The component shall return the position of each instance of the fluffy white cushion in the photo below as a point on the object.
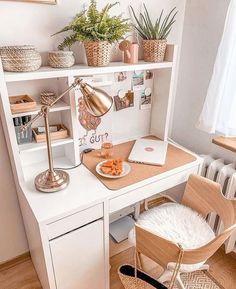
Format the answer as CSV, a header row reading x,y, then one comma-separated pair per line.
x,y
179,224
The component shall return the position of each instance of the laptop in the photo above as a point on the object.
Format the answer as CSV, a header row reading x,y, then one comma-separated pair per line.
x,y
148,151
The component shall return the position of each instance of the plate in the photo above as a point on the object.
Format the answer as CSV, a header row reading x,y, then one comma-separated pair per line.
x,y
125,170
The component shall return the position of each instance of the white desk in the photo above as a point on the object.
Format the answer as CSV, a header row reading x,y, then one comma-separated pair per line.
x,y
67,227
68,231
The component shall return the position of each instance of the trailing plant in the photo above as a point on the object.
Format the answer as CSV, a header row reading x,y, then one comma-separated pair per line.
x,y
158,30
95,25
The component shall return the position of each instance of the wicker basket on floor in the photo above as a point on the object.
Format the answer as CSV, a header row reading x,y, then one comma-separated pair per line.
x,y
98,53
20,58
142,281
154,50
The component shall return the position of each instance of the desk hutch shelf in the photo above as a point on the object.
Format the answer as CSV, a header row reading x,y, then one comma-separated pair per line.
x,y
61,227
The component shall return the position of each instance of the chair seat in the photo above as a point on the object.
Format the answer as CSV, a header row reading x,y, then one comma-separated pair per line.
x,y
178,224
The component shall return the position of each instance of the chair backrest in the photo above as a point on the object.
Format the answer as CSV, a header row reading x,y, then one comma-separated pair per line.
x,y
163,251
204,196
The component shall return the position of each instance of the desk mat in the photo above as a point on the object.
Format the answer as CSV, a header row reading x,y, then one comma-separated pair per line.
x,y
175,158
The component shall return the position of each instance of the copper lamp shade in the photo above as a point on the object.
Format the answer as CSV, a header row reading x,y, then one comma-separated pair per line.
x,y
97,101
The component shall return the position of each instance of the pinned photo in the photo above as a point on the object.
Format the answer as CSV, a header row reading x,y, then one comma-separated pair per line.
x,y
124,99
148,75
120,76
138,80
146,99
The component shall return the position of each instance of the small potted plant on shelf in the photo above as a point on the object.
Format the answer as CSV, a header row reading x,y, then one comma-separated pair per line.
x,y
97,30
154,34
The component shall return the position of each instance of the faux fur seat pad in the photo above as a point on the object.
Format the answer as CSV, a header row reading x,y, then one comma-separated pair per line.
x,y
179,224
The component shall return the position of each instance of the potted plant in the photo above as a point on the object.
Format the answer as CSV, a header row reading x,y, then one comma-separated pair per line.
x,y
154,34
97,30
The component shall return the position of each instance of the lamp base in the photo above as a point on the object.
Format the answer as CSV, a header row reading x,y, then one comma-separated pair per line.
x,y
50,182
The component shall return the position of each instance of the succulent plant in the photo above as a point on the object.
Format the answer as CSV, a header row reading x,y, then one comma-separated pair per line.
x,y
158,30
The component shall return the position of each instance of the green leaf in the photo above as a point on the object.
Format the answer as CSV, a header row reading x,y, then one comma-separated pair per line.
x,y
149,22
166,21
140,26
159,29
95,25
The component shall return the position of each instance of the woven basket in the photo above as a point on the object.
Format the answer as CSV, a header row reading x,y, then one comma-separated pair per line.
x,y
61,59
154,50
143,281
98,53
20,58
47,97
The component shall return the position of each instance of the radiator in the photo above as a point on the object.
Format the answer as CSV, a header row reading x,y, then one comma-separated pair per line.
x,y
224,174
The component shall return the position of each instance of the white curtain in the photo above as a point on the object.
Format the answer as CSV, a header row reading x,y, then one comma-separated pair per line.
x,y
219,110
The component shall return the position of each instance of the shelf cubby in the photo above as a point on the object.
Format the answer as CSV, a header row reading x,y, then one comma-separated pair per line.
x,y
59,106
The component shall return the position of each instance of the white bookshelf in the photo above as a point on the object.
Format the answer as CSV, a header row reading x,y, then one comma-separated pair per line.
x,y
48,72
65,111
34,146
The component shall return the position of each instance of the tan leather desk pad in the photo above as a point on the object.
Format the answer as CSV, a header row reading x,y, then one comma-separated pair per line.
x,y
175,158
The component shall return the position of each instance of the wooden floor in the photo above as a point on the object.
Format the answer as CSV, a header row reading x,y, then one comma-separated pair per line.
x,y
23,275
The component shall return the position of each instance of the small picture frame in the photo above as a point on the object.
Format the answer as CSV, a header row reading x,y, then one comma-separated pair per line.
x,y
124,99
120,76
138,80
149,75
146,99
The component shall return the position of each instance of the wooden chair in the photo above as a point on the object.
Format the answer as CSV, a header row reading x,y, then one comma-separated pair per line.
x,y
203,196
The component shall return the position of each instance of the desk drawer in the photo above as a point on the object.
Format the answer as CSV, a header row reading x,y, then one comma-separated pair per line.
x,y
74,221
151,189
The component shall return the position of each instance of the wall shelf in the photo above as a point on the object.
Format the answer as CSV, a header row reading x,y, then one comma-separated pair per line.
x,y
59,106
30,147
228,143
48,72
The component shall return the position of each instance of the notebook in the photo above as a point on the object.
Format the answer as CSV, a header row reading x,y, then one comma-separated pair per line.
x,y
147,151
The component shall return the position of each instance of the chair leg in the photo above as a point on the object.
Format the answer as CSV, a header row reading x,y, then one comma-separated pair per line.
x,y
165,276
179,282
139,260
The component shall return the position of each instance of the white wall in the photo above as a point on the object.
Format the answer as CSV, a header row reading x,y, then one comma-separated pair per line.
x,y
203,27
28,23
12,235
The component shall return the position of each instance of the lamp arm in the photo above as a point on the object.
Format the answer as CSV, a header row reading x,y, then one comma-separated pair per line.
x,y
25,126
73,85
45,108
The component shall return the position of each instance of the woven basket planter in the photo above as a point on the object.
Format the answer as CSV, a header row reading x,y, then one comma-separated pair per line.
x,y
20,58
61,59
98,53
154,50
47,97
143,281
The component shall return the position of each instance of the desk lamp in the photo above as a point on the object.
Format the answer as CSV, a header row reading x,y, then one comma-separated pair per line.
x,y
97,102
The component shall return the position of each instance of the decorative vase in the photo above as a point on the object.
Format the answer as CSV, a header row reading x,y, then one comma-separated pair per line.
x,y
154,50
61,59
22,58
98,53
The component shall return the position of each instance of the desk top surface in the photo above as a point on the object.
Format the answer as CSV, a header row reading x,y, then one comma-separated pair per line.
x,y
175,157
84,190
